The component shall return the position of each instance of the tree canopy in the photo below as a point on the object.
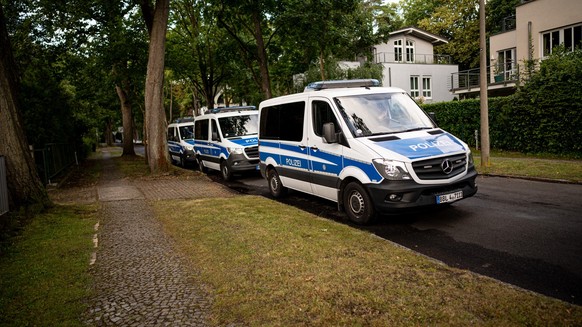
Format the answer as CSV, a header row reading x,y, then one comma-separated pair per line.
x,y
82,65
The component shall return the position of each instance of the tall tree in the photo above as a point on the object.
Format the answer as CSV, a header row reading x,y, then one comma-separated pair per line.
x,y
121,47
329,29
156,20
24,185
198,50
457,20
413,11
249,23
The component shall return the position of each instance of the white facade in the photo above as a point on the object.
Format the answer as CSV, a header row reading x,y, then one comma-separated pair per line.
x,y
410,63
540,25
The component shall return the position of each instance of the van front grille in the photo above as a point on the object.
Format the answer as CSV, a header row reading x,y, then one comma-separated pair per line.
x,y
252,151
437,168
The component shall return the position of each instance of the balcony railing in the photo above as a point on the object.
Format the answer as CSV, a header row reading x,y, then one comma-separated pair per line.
x,y
391,57
467,80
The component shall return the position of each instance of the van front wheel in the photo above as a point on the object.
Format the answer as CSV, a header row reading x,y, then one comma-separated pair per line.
x,y
275,186
225,170
201,166
357,204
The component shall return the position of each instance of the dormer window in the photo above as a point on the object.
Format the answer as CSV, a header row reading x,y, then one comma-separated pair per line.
x,y
398,50
409,51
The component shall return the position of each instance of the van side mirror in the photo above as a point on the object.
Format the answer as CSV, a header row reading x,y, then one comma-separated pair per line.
x,y
215,136
329,134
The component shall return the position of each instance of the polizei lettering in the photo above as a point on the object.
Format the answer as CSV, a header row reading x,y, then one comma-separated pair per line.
x,y
428,145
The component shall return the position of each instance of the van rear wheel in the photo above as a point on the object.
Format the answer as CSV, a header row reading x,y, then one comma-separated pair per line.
x,y
275,186
357,204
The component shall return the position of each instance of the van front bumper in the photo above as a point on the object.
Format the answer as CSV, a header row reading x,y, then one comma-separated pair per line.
x,y
239,162
408,194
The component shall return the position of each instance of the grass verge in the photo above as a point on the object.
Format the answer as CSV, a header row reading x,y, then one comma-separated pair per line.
x,y
514,164
44,273
272,264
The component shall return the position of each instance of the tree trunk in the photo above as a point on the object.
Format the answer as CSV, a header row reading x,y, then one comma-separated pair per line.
x,y
262,55
155,116
321,65
24,184
127,118
108,133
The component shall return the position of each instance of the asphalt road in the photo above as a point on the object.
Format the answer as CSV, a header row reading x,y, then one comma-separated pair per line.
x,y
526,233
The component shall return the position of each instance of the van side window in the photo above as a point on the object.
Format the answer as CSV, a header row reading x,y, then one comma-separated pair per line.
x,y
201,130
322,114
283,122
171,134
215,134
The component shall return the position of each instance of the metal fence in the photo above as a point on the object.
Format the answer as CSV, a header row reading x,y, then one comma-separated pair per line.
x,y
53,159
3,187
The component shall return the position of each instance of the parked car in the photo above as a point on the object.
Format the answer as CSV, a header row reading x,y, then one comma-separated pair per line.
x,y
370,149
181,141
226,140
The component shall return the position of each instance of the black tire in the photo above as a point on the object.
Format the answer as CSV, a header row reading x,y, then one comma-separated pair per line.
x,y
201,166
275,186
225,171
357,204
182,162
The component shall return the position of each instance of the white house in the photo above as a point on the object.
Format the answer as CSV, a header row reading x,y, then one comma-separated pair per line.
x,y
411,64
536,29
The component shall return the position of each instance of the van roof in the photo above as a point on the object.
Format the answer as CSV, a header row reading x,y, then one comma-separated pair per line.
x,y
330,93
230,109
335,84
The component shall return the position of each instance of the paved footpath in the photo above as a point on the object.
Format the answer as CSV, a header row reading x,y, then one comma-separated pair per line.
x,y
140,279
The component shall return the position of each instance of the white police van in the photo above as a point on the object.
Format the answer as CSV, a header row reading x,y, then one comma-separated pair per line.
x,y
181,141
370,149
226,140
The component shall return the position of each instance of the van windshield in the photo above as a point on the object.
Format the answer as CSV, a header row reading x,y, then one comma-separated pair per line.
x,y
187,132
237,126
377,114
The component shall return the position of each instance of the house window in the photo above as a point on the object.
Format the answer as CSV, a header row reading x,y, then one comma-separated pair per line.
x,y
570,37
398,50
426,87
409,51
414,91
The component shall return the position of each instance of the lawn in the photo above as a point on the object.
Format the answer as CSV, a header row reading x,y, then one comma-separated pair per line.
x,y
269,264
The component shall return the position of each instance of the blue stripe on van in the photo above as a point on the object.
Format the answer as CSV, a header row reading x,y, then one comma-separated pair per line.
x,y
328,163
245,142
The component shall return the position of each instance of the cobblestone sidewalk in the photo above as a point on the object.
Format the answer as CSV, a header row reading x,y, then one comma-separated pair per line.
x,y
140,280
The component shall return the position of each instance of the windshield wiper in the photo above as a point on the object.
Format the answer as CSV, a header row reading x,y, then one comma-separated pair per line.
x,y
415,129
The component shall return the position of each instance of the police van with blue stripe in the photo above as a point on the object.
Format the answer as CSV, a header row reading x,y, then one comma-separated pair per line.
x,y
226,140
370,149
181,141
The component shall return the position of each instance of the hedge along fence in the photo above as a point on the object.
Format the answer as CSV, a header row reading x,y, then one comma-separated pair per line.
x,y
546,125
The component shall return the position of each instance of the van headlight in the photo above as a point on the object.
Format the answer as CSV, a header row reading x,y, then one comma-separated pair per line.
x,y
392,170
189,147
236,150
471,160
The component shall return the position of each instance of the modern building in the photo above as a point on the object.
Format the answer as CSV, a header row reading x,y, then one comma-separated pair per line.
x,y
411,64
536,29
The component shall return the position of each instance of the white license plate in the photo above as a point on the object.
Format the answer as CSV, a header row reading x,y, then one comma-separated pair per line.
x,y
449,197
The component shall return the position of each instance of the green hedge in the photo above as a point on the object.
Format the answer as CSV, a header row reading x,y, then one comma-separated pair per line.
x,y
547,126
543,116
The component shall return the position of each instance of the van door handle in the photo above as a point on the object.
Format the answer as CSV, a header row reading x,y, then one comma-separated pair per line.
x,y
302,147
314,148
